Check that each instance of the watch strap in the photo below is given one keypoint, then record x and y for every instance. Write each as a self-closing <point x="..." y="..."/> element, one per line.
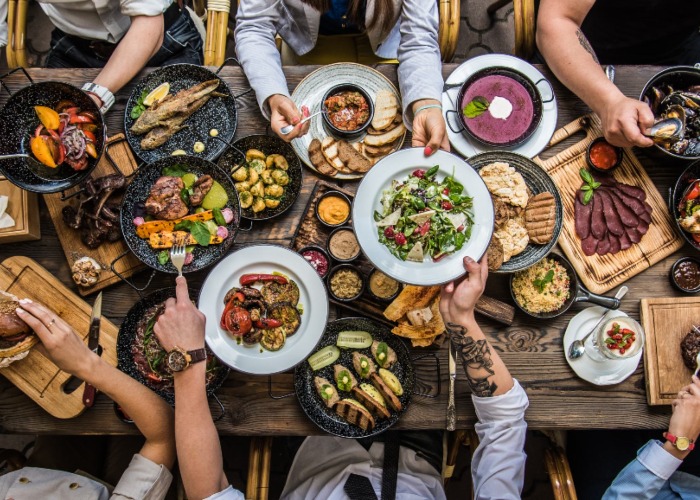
<point x="197" y="355"/>
<point x="673" y="439"/>
<point x="105" y="95"/>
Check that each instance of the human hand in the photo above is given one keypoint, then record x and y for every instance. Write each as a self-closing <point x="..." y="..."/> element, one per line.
<point x="181" y="324"/>
<point x="624" y="120"/>
<point x="284" y="112"/>
<point x="457" y="300"/>
<point x="685" y="420"/>
<point x="60" y="342"/>
<point x="429" y="128"/>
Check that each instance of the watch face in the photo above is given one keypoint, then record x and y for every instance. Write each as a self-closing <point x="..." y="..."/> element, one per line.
<point x="176" y="361"/>
<point x="682" y="443"/>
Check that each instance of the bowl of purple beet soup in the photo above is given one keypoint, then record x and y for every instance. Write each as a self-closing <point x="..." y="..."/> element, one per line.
<point x="499" y="107"/>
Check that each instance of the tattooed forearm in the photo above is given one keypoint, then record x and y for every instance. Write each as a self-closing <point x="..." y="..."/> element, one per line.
<point x="586" y="44"/>
<point x="476" y="359"/>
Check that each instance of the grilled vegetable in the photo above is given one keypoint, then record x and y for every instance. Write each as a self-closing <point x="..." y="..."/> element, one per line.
<point x="267" y="323"/>
<point x="249" y="279"/>
<point x="156" y="226"/>
<point x="276" y="291"/>
<point x="273" y="340"/>
<point x="287" y="315"/>
<point x="325" y="357"/>
<point x="166" y="239"/>
<point x="354" y="339"/>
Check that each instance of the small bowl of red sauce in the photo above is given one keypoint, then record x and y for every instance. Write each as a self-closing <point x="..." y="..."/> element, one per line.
<point x="348" y="111"/>
<point x="602" y="156"/>
<point x="317" y="258"/>
<point x="685" y="274"/>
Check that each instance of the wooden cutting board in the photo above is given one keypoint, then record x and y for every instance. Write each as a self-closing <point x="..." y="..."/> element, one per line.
<point x="602" y="273"/>
<point x="117" y="158"/>
<point x="666" y="321"/>
<point x="36" y="375"/>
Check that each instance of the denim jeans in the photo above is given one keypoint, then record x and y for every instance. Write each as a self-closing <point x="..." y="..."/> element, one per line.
<point x="182" y="43"/>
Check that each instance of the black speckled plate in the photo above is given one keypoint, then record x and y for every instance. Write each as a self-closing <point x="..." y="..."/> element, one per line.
<point x="689" y="175"/>
<point x="219" y="113"/>
<point x="311" y="402"/>
<point x="18" y="120"/>
<point x="268" y="145"/>
<point x="138" y="192"/>
<point x="127" y="332"/>
<point x="538" y="181"/>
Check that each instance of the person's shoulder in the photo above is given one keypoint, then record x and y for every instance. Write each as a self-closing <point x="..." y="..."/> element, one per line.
<point x="35" y="482"/>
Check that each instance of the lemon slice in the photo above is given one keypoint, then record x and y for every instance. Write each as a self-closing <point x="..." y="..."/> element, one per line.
<point x="157" y="94"/>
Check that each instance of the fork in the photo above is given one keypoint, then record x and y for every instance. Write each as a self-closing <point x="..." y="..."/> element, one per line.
<point x="177" y="256"/>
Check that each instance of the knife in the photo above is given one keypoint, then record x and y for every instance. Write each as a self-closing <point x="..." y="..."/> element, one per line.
<point x="93" y="344"/>
<point x="451" y="410"/>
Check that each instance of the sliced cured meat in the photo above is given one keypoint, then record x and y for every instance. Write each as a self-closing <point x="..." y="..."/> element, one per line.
<point x="634" y="191"/>
<point x="603" y="246"/>
<point x="625" y="242"/>
<point x="582" y="216"/>
<point x="632" y="202"/>
<point x="627" y="215"/>
<point x="615" y="244"/>
<point x="634" y="235"/>
<point x="588" y="245"/>
<point x="598" y="226"/>
<point x="643" y="227"/>
<point x="612" y="218"/>
<point x="605" y="180"/>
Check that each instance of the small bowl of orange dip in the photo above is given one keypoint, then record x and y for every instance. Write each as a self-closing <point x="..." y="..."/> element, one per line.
<point x="333" y="209"/>
<point x="602" y="156"/>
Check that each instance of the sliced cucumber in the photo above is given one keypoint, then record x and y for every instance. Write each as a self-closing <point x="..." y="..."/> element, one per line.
<point x="354" y="339"/>
<point x="326" y="356"/>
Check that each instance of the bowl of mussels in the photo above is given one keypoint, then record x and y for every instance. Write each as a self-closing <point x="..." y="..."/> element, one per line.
<point x="674" y="96"/>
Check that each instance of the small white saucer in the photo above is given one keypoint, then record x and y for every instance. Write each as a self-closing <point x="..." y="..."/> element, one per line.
<point x="596" y="372"/>
<point x="468" y="146"/>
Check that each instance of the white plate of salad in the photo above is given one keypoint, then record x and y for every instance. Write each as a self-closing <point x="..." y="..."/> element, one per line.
<point x="417" y="217"/>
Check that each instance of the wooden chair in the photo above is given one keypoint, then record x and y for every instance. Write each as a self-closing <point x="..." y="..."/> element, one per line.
<point x="557" y="466"/>
<point x="524" y="17"/>
<point x="16" y="50"/>
<point x="448" y="31"/>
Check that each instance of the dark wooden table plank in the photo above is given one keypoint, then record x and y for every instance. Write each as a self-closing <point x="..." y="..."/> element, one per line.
<point x="532" y="349"/>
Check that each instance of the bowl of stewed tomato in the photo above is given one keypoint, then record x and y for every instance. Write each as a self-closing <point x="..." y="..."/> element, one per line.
<point x="347" y="111"/>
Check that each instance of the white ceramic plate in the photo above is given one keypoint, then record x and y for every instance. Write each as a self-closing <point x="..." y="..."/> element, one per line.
<point x="469" y="146"/>
<point x="399" y="165"/>
<point x="310" y="92"/>
<point x="597" y="372"/>
<point x="264" y="259"/>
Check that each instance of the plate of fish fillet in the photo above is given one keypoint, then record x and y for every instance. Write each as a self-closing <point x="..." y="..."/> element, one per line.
<point x="197" y="116"/>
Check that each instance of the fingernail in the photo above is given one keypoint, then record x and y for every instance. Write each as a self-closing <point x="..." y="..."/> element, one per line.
<point x="25" y="301"/>
<point x="428" y="151"/>
<point x="20" y="311"/>
<point x="295" y="120"/>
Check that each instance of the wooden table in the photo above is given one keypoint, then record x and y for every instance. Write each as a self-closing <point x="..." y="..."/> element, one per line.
<point x="531" y="349"/>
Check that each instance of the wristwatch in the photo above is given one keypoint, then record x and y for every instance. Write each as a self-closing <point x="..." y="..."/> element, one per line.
<point x="103" y="93"/>
<point x="681" y="443"/>
<point x="178" y="359"/>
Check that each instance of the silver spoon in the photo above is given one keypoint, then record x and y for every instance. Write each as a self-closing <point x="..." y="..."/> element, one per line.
<point x="697" y="364"/>
<point x="576" y="349"/>
<point x="288" y="128"/>
<point x="12" y="157"/>
<point x="668" y="129"/>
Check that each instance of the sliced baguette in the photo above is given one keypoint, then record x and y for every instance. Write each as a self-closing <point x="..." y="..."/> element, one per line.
<point x="329" y="146"/>
<point x="352" y="159"/>
<point x="370" y="403"/>
<point x="355" y="413"/>
<point x="318" y="160"/>
<point x="389" y="396"/>
<point x="386" y="138"/>
<point x="385" y="109"/>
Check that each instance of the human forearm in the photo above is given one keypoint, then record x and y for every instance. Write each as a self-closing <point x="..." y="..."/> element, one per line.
<point x="198" y="447"/>
<point x="139" y="44"/>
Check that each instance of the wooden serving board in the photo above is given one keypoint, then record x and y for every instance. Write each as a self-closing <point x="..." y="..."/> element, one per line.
<point x="602" y="273"/>
<point x="311" y="232"/>
<point x="666" y="321"/>
<point x="116" y="158"/>
<point x="36" y="375"/>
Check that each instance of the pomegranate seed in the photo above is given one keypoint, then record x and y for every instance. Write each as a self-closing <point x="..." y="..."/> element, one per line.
<point x="622" y="350"/>
<point x="420" y="173"/>
<point x="460" y="228"/>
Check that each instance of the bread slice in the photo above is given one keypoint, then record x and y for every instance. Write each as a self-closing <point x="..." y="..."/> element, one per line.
<point x="386" y="106"/>
<point x="329" y="146"/>
<point x="540" y="218"/>
<point x="355" y="413"/>
<point x="352" y="159"/>
<point x="370" y="403"/>
<point x="386" y="138"/>
<point x="318" y="160"/>
<point x="389" y="396"/>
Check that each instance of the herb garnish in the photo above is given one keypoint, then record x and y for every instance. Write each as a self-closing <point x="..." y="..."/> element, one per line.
<point x="542" y="282"/>
<point x="137" y="110"/>
<point x="476" y="107"/>
<point x="176" y="170"/>
<point x="589" y="187"/>
<point x="198" y="230"/>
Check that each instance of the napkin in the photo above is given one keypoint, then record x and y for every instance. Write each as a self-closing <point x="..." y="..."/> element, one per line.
<point x="5" y="219"/>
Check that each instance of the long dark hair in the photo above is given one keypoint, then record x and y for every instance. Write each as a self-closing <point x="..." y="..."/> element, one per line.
<point x="383" y="12"/>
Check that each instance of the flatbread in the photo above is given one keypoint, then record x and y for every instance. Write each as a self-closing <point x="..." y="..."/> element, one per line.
<point x="411" y="297"/>
<point x="506" y="183"/>
<point x="495" y="254"/>
<point x="513" y="237"/>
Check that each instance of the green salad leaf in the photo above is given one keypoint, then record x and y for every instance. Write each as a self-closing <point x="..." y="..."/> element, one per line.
<point x="476" y="107"/>
<point x="177" y="170"/>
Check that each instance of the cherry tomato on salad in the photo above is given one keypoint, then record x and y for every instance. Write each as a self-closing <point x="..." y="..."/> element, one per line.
<point x="400" y="239"/>
<point x="389" y="232"/>
<point x="423" y="228"/>
<point x="446" y="205"/>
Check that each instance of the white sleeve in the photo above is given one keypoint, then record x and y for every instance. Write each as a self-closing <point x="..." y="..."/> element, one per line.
<point x="143" y="479"/>
<point x="256" y="27"/>
<point x="227" y="494"/>
<point x="498" y="465"/>
<point x="150" y="8"/>
<point x="3" y="23"/>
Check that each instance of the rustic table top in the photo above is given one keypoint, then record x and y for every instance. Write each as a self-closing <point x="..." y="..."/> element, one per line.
<point x="531" y="349"/>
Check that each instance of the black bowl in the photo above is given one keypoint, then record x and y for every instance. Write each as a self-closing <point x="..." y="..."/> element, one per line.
<point x="320" y="251"/>
<point x="689" y="174"/>
<point x="377" y="297"/>
<point x="18" y="120"/>
<point x="136" y="195"/>
<point x="532" y="91"/>
<point x="346" y="134"/>
<point x="678" y="77"/>
<point x="233" y="157"/>
<point x="593" y="166"/>
<point x="339" y="195"/>
<point x="675" y="283"/>
<point x="340" y="267"/>
<point x="328" y="244"/>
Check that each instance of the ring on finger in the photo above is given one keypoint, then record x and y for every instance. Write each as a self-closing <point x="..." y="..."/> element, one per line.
<point x="50" y="323"/>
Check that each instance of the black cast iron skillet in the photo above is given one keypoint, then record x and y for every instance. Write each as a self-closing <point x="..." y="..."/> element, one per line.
<point x="218" y="113"/>
<point x="577" y="293"/>
<point x="529" y="85"/>
<point x="689" y="174"/>
<point x="127" y="333"/>
<point x="137" y="193"/>
<point x="234" y="157"/>
<point x="311" y="402"/>
<point x="18" y="120"/>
